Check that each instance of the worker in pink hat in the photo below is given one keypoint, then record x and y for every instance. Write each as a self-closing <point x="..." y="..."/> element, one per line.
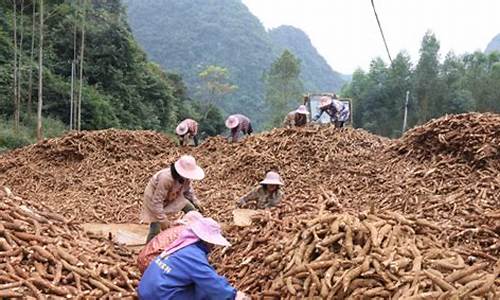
<point x="170" y="191"/>
<point x="337" y="110"/>
<point x="182" y="270"/>
<point x="237" y="123"/>
<point x="267" y="194"/>
<point x="160" y="242"/>
<point x="187" y="131"/>
<point x="297" y="117"/>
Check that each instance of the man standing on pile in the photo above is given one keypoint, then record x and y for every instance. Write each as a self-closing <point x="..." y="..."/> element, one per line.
<point x="187" y="131"/>
<point x="267" y="193"/>
<point x="238" y="123"/>
<point x="297" y="117"/>
<point x="337" y="110"/>
<point x="182" y="270"/>
<point x="170" y="191"/>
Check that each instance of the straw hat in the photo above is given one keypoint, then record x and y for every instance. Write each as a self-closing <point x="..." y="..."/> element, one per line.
<point x="324" y="101"/>
<point x="302" y="110"/>
<point x="186" y="167"/>
<point x="209" y="231"/>
<point x="232" y="122"/>
<point x="181" y="129"/>
<point x="272" y="178"/>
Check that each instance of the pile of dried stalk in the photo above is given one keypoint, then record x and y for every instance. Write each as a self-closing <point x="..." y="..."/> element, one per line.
<point x="473" y="138"/>
<point x="45" y="256"/>
<point x="343" y="256"/>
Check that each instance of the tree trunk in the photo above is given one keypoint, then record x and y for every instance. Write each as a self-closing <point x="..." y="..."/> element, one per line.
<point x="39" y="133"/>
<point x="71" y="96"/>
<point x="82" y="47"/>
<point x="20" y="61"/>
<point x="30" y="78"/>
<point x="16" y="107"/>
<point x="73" y="105"/>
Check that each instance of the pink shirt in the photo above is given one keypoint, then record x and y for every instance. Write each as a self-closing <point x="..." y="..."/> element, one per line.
<point x="243" y="126"/>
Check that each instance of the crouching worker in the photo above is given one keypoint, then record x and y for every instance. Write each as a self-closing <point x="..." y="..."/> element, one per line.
<point x="238" y="123"/>
<point x="170" y="191"/>
<point x="160" y="242"/>
<point x="267" y="194"/>
<point x="182" y="270"/>
<point x="337" y="110"/>
<point x="297" y="117"/>
<point x="187" y="131"/>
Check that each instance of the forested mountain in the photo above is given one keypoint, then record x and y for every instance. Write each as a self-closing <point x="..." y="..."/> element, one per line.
<point x="494" y="45"/>
<point x="120" y="88"/>
<point x="187" y="36"/>
<point x="316" y="74"/>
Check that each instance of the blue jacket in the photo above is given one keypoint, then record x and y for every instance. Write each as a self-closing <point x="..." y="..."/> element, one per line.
<point x="185" y="274"/>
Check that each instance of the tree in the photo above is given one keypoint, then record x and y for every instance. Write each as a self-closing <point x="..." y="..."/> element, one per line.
<point x="214" y="86"/>
<point x="15" y="86"/>
<point x="283" y="87"/>
<point x="82" y="48"/>
<point x="32" y="52"/>
<point x="39" y="133"/>
<point x="426" y="79"/>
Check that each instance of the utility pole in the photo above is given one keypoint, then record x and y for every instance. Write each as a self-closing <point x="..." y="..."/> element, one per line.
<point x="406" y="112"/>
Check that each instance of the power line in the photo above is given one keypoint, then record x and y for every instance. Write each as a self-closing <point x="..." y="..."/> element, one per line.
<point x="381" y="32"/>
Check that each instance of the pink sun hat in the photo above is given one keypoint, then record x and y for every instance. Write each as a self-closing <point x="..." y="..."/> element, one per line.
<point x="232" y="122"/>
<point x="208" y="230"/>
<point x="302" y="110"/>
<point x="325" y="101"/>
<point x="186" y="167"/>
<point x="272" y="178"/>
<point x="181" y="129"/>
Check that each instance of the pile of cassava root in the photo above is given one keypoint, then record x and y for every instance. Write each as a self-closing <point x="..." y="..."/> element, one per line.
<point x="339" y="256"/>
<point x="45" y="256"/>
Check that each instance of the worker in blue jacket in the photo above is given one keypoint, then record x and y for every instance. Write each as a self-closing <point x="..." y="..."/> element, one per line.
<point x="182" y="271"/>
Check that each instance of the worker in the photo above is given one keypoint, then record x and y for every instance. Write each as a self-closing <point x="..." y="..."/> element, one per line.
<point x="187" y="131"/>
<point x="182" y="270"/>
<point x="238" y="123"/>
<point x="268" y="193"/>
<point x="160" y="242"/>
<point x="297" y="117"/>
<point x="337" y="110"/>
<point x="170" y="191"/>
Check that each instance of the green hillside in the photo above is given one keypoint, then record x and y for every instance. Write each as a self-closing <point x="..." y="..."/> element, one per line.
<point x="186" y="36"/>
<point x="316" y="74"/>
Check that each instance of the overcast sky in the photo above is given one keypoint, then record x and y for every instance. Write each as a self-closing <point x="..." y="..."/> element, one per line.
<point x="345" y="32"/>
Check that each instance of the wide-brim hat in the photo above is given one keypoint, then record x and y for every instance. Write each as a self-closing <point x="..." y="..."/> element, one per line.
<point x="272" y="178"/>
<point x="302" y="110"/>
<point x="232" y="122"/>
<point x="181" y="129"/>
<point x="325" y="101"/>
<point x="208" y="230"/>
<point x="190" y="217"/>
<point x="186" y="167"/>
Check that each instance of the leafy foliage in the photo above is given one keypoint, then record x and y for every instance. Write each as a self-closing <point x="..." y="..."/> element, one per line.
<point x="283" y="87"/>
<point x="120" y="89"/>
<point x="189" y="36"/>
<point x="316" y="74"/>
<point x="469" y="82"/>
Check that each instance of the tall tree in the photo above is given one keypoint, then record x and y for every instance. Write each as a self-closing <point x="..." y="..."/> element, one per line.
<point x="214" y="86"/>
<point x="39" y="133"/>
<point x="283" y="87"/>
<point x="32" y="52"/>
<point x="426" y="79"/>
<point x="82" y="48"/>
<point x="15" y="86"/>
<point x="20" y="61"/>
